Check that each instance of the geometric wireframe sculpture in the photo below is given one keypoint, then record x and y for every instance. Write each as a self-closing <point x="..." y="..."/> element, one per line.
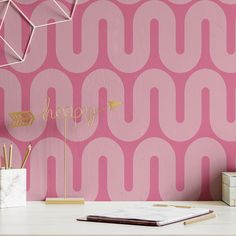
<point x="56" y="9"/>
<point x="68" y="7"/>
<point x="9" y="47"/>
<point x="10" y="53"/>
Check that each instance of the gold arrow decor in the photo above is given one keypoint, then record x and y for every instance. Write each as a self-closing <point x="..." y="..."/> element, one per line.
<point x="114" y="104"/>
<point x="23" y="118"/>
<point x="26" y="118"/>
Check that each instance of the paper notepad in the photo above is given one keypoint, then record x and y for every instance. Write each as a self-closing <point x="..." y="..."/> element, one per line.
<point x="152" y="216"/>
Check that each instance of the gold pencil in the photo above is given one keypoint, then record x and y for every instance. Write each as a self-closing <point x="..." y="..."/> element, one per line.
<point x="200" y="218"/>
<point x="167" y="205"/>
<point x="5" y="155"/>
<point x="28" y="150"/>
<point x="10" y="157"/>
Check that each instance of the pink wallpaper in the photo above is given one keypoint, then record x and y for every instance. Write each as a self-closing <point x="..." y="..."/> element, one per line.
<point x="173" y="65"/>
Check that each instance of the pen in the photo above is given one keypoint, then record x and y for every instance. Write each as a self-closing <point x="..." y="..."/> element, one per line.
<point x="28" y="150"/>
<point x="5" y="155"/>
<point x="167" y="205"/>
<point x="200" y="218"/>
<point x="10" y="157"/>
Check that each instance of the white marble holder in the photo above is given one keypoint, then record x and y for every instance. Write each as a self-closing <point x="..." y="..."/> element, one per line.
<point x="12" y="187"/>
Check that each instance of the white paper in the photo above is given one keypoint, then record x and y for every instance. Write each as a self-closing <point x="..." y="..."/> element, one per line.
<point x="162" y="215"/>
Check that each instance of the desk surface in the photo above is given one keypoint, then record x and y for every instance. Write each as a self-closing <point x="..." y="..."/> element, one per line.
<point x="40" y="219"/>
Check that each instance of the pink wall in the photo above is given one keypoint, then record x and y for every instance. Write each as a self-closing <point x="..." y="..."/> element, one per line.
<point x="172" y="64"/>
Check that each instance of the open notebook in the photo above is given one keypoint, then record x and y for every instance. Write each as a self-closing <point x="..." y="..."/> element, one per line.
<point x="149" y="216"/>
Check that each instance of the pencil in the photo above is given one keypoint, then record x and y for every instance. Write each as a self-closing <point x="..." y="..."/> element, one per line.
<point x="200" y="218"/>
<point x="166" y="205"/>
<point x="5" y="155"/>
<point x="10" y="157"/>
<point x="28" y="150"/>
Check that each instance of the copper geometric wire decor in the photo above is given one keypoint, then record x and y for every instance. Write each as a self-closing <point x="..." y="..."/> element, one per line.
<point x="12" y="4"/>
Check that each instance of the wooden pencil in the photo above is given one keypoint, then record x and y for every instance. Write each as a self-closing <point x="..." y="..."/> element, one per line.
<point x="28" y="150"/>
<point x="5" y="156"/>
<point x="167" y="205"/>
<point x="10" y="157"/>
<point x="200" y="218"/>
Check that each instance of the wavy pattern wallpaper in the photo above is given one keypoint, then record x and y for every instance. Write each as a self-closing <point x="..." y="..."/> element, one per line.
<point x="172" y="63"/>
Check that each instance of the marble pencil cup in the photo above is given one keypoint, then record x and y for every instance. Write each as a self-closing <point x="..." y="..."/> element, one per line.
<point x="12" y="188"/>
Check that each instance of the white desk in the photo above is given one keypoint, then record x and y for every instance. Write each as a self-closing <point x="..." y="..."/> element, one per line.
<point x="40" y="219"/>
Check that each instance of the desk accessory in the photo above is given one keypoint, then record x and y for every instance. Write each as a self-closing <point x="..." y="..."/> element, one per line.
<point x="13" y="5"/>
<point x="28" y="150"/>
<point x="7" y="159"/>
<point x="23" y="118"/>
<point x="62" y="113"/>
<point x="151" y="216"/>
<point x="209" y="216"/>
<point x="26" y="118"/>
<point x="5" y="155"/>
<point x="13" y="181"/>
<point x="73" y="113"/>
<point x="229" y="188"/>
<point x="12" y="187"/>
<point x="10" y="157"/>
<point x="65" y="199"/>
<point x="168" y="205"/>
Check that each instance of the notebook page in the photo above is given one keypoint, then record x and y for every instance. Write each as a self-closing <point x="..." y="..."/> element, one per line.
<point x="162" y="215"/>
